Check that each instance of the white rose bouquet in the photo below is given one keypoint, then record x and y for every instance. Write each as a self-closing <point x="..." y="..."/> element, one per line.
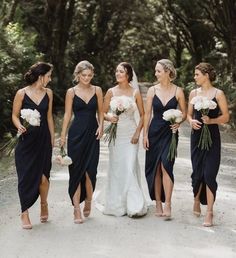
<point x="118" y="105"/>
<point x="173" y="116"/>
<point x="62" y="158"/>
<point x="30" y="118"/>
<point x="203" y="104"/>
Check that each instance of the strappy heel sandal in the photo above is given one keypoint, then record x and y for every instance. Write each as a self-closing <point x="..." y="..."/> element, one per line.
<point x="27" y="225"/>
<point x="159" y="210"/>
<point x="87" y="207"/>
<point x="77" y="220"/>
<point x="167" y="211"/>
<point x="44" y="210"/>
<point x="196" y="212"/>
<point x="208" y="219"/>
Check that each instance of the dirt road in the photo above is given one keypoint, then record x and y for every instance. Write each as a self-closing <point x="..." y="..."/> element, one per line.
<point x="111" y="237"/>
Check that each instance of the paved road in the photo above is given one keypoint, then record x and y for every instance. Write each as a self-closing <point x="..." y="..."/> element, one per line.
<point x="110" y="237"/>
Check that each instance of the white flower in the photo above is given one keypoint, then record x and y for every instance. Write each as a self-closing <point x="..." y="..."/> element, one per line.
<point x="203" y="103"/>
<point x="173" y="115"/>
<point x="120" y="103"/>
<point x="66" y="161"/>
<point x="31" y="116"/>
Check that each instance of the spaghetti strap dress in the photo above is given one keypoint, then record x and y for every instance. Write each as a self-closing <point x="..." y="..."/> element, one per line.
<point x="33" y="154"/>
<point x="159" y="135"/>
<point x="205" y="163"/>
<point x="83" y="147"/>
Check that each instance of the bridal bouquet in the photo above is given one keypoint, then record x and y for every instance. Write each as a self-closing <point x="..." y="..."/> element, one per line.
<point x="30" y="118"/>
<point x="203" y="104"/>
<point x="118" y="106"/>
<point x="62" y="158"/>
<point x="173" y="116"/>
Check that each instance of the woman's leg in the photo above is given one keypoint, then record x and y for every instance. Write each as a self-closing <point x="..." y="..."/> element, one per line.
<point x="209" y="214"/>
<point x="76" y="201"/>
<point x="168" y="188"/>
<point x="43" y="191"/>
<point x="89" y="196"/>
<point x="196" y="204"/>
<point x="157" y="188"/>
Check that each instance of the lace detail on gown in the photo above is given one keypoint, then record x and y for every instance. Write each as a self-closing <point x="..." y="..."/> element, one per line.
<point x="124" y="194"/>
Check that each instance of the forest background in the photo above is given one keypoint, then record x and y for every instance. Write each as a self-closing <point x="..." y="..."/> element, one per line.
<point x="106" y="32"/>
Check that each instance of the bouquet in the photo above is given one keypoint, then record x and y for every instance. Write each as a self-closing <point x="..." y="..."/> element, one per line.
<point x="62" y="158"/>
<point x="118" y="106"/>
<point x="203" y="104"/>
<point x="173" y="116"/>
<point x="30" y="118"/>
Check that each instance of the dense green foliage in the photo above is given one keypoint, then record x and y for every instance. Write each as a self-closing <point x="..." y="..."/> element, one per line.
<point x="64" y="32"/>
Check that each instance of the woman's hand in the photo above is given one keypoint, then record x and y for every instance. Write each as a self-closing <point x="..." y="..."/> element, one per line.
<point x="206" y="119"/>
<point x="174" y="127"/>
<point x="113" y="119"/>
<point x="135" y="138"/>
<point x="195" y="124"/>
<point x="21" y="129"/>
<point x="145" y="143"/>
<point x="99" y="133"/>
<point x="62" y="141"/>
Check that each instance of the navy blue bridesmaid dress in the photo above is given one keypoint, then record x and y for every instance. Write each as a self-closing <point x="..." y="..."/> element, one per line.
<point x="205" y="163"/>
<point x="33" y="154"/>
<point x="159" y="135"/>
<point x="83" y="147"/>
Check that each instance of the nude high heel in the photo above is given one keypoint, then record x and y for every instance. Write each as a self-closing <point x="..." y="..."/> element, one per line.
<point x="44" y="209"/>
<point x="159" y="210"/>
<point x="26" y="225"/>
<point x="77" y="212"/>
<point x="208" y="219"/>
<point x="87" y="207"/>
<point x="196" y="212"/>
<point x="167" y="211"/>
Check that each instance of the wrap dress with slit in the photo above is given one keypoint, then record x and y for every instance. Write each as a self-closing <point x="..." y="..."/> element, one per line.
<point x="83" y="147"/>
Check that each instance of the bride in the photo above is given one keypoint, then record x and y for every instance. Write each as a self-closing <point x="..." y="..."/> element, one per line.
<point x="124" y="193"/>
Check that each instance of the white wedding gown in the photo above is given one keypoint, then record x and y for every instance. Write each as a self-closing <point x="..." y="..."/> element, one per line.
<point x="124" y="194"/>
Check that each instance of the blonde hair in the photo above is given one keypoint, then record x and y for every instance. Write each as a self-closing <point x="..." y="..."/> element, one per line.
<point x="168" y="66"/>
<point x="81" y="66"/>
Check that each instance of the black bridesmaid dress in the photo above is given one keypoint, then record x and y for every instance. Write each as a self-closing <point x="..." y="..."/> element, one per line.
<point x="83" y="147"/>
<point x="33" y="154"/>
<point x="205" y="164"/>
<point x="159" y="136"/>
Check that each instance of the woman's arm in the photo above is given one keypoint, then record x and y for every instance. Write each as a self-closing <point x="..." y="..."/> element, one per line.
<point x="139" y="102"/>
<point x="17" y="104"/>
<point x="147" y="117"/>
<point x="224" y="117"/>
<point x="67" y="114"/>
<point x="194" y="123"/>
<point x="99" y="131"/>
<point x="111" y="118"/>
<point x="50" y="116"/>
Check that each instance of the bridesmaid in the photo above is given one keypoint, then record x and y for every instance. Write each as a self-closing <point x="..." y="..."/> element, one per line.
<point x="85" y="100"/>
<point x="157" y="135"/>
<point x="206" y="163"/>
<point x="34" y="150"/>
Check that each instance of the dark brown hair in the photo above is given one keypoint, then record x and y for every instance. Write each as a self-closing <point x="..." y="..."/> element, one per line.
<point x="207" y="68"/>
<point x="40" y="68"/>
<point x="129" y="70"/>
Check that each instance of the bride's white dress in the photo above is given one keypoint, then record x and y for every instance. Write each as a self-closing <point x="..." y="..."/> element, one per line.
<point x="124" y="194"/>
